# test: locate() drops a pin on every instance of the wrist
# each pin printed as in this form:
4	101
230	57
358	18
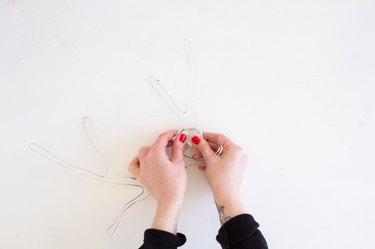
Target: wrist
170	204
228	208
166	217
229	198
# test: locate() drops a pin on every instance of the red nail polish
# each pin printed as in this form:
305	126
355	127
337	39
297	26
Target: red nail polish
196	140
182	138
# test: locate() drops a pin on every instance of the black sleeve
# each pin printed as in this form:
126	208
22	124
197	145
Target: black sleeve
241	232
158	239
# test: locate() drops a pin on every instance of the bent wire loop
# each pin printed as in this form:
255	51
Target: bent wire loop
90	132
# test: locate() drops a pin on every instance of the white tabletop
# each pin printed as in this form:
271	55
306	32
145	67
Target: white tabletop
291	82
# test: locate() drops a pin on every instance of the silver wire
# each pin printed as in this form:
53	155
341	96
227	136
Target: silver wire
93	139
191	95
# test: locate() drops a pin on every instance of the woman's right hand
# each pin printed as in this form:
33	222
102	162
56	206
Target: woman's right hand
224	172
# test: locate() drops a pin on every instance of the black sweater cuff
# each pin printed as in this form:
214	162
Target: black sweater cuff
158	239
241	229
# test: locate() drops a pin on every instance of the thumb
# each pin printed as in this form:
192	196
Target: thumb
134	167
202	145
177	149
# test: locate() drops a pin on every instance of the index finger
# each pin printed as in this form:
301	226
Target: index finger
163	139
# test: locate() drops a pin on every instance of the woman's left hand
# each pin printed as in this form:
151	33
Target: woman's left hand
164	178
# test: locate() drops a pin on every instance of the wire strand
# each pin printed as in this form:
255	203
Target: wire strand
191	100
91	134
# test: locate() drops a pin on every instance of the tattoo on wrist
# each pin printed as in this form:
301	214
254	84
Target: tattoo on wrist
222	216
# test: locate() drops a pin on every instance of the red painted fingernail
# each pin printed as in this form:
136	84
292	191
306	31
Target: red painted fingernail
182	138
196	140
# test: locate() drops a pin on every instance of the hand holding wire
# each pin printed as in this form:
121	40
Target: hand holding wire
224	172
165	178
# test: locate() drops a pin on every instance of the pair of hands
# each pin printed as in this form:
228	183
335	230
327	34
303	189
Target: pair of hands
166	179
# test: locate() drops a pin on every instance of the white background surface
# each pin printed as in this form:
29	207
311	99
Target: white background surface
292	82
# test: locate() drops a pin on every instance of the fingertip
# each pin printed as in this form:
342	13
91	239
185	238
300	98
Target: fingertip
178	146
202	145
164	138
182	138
196	140
133	166
134	162
179	142
170	133
202	168
197	156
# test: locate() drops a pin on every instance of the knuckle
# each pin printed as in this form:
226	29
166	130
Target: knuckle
152	150
152	153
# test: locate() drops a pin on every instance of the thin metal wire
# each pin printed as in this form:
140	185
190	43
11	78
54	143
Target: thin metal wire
94	141
191	95
92	136
112	228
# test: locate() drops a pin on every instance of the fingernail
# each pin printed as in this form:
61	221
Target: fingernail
196	140
182	138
